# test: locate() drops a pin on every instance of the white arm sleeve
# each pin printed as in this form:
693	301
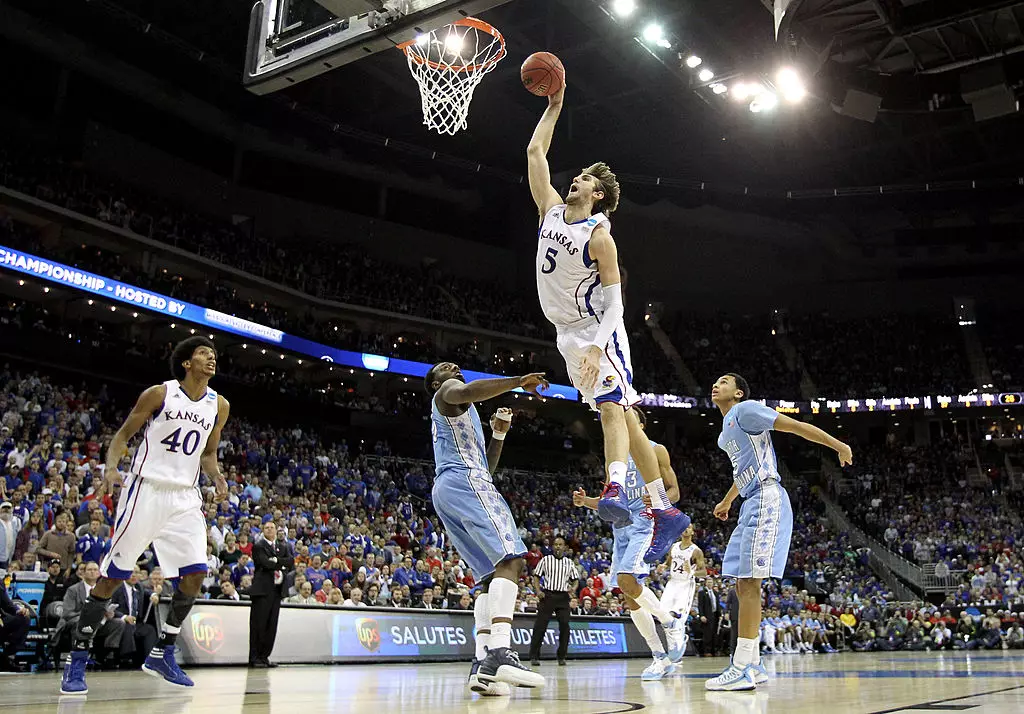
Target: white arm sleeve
613	312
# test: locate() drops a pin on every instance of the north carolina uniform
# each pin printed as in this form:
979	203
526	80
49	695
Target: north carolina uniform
475	516
572	299
679	591
160	503
633	540
759	545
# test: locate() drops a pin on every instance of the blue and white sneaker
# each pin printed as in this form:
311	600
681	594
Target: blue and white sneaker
669	524
475	685
613	506
733	679
657	669
73	679
161	663
760	673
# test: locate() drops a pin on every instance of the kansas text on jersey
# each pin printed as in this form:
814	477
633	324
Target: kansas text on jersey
567	278
176	437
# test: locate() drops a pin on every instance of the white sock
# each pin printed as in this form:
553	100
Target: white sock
649	601
746	652
503	605
644	622
482	615
617	473
659	499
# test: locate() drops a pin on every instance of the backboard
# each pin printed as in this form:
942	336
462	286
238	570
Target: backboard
294	40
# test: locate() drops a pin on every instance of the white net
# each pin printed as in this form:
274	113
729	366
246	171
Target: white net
448	64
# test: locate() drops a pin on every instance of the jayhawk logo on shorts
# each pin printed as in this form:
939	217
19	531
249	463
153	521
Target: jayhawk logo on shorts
608	382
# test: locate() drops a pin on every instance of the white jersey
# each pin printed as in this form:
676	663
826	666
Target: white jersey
568	283
682	562
175	438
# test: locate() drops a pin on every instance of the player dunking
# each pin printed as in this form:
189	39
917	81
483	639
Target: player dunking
477	518
160	502
628	567
579	286
759	545
685	565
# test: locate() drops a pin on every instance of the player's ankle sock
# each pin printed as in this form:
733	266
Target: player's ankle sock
659	499
503	605
649	601
617	473
89	621
168	637
644	622
482	616
746	652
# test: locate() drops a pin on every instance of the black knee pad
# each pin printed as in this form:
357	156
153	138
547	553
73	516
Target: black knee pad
181	604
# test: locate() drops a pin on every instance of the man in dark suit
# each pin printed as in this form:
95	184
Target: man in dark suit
14	620
273	558
732	605
132	602
707	606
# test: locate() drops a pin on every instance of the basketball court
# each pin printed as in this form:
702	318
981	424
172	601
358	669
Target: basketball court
988	682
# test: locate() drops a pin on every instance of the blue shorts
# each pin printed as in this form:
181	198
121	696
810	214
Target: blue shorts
631	543
759	545
477	519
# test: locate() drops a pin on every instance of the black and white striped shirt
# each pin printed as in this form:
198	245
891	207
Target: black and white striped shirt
556	574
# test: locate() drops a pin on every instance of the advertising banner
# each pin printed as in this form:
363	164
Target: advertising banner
218	633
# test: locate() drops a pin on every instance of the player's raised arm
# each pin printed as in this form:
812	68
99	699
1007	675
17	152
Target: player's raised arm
208	461
602	249
544	194
149	401
818	436
454	391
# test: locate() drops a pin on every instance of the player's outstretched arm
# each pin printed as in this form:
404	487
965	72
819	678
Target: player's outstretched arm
208	461
580	499
455	392
149	401
818	436
544	194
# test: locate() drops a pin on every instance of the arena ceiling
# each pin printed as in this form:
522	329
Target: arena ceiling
926	66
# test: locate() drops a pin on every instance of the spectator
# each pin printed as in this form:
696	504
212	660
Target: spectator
139	637
355	599
111	629
58	543
305	596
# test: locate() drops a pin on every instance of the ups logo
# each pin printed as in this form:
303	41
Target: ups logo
368	633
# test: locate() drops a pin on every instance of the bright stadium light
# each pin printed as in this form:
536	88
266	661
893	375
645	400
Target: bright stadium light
693	61
706	75
764	103
741	91
422	40
719	88
624	8
453	43
654	35
790	84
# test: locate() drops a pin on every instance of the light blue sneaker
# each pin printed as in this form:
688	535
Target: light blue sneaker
163	664
657	669
675	636
73	679
733	679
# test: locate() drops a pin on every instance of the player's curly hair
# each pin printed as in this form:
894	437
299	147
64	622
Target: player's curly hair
183	352
609	186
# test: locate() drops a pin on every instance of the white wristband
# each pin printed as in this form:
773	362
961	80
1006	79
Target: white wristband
500	436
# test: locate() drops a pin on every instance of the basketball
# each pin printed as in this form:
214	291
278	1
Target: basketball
543	74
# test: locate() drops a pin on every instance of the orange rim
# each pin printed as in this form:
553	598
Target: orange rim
473	23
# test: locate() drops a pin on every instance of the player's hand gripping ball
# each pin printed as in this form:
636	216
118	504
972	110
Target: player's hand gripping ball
543	74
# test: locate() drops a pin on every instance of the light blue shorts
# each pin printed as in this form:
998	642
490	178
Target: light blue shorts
629	547
759	545
477	519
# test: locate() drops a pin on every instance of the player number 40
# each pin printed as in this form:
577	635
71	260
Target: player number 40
188	445
549	261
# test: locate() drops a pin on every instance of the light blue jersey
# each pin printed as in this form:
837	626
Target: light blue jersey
458	442
633	540
759	545
747	440
476	517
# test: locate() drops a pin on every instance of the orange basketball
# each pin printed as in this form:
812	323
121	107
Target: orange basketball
543	74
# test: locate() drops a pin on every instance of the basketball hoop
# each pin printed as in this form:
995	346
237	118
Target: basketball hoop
448	64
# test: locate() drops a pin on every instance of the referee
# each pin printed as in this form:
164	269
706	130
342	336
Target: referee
554	577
